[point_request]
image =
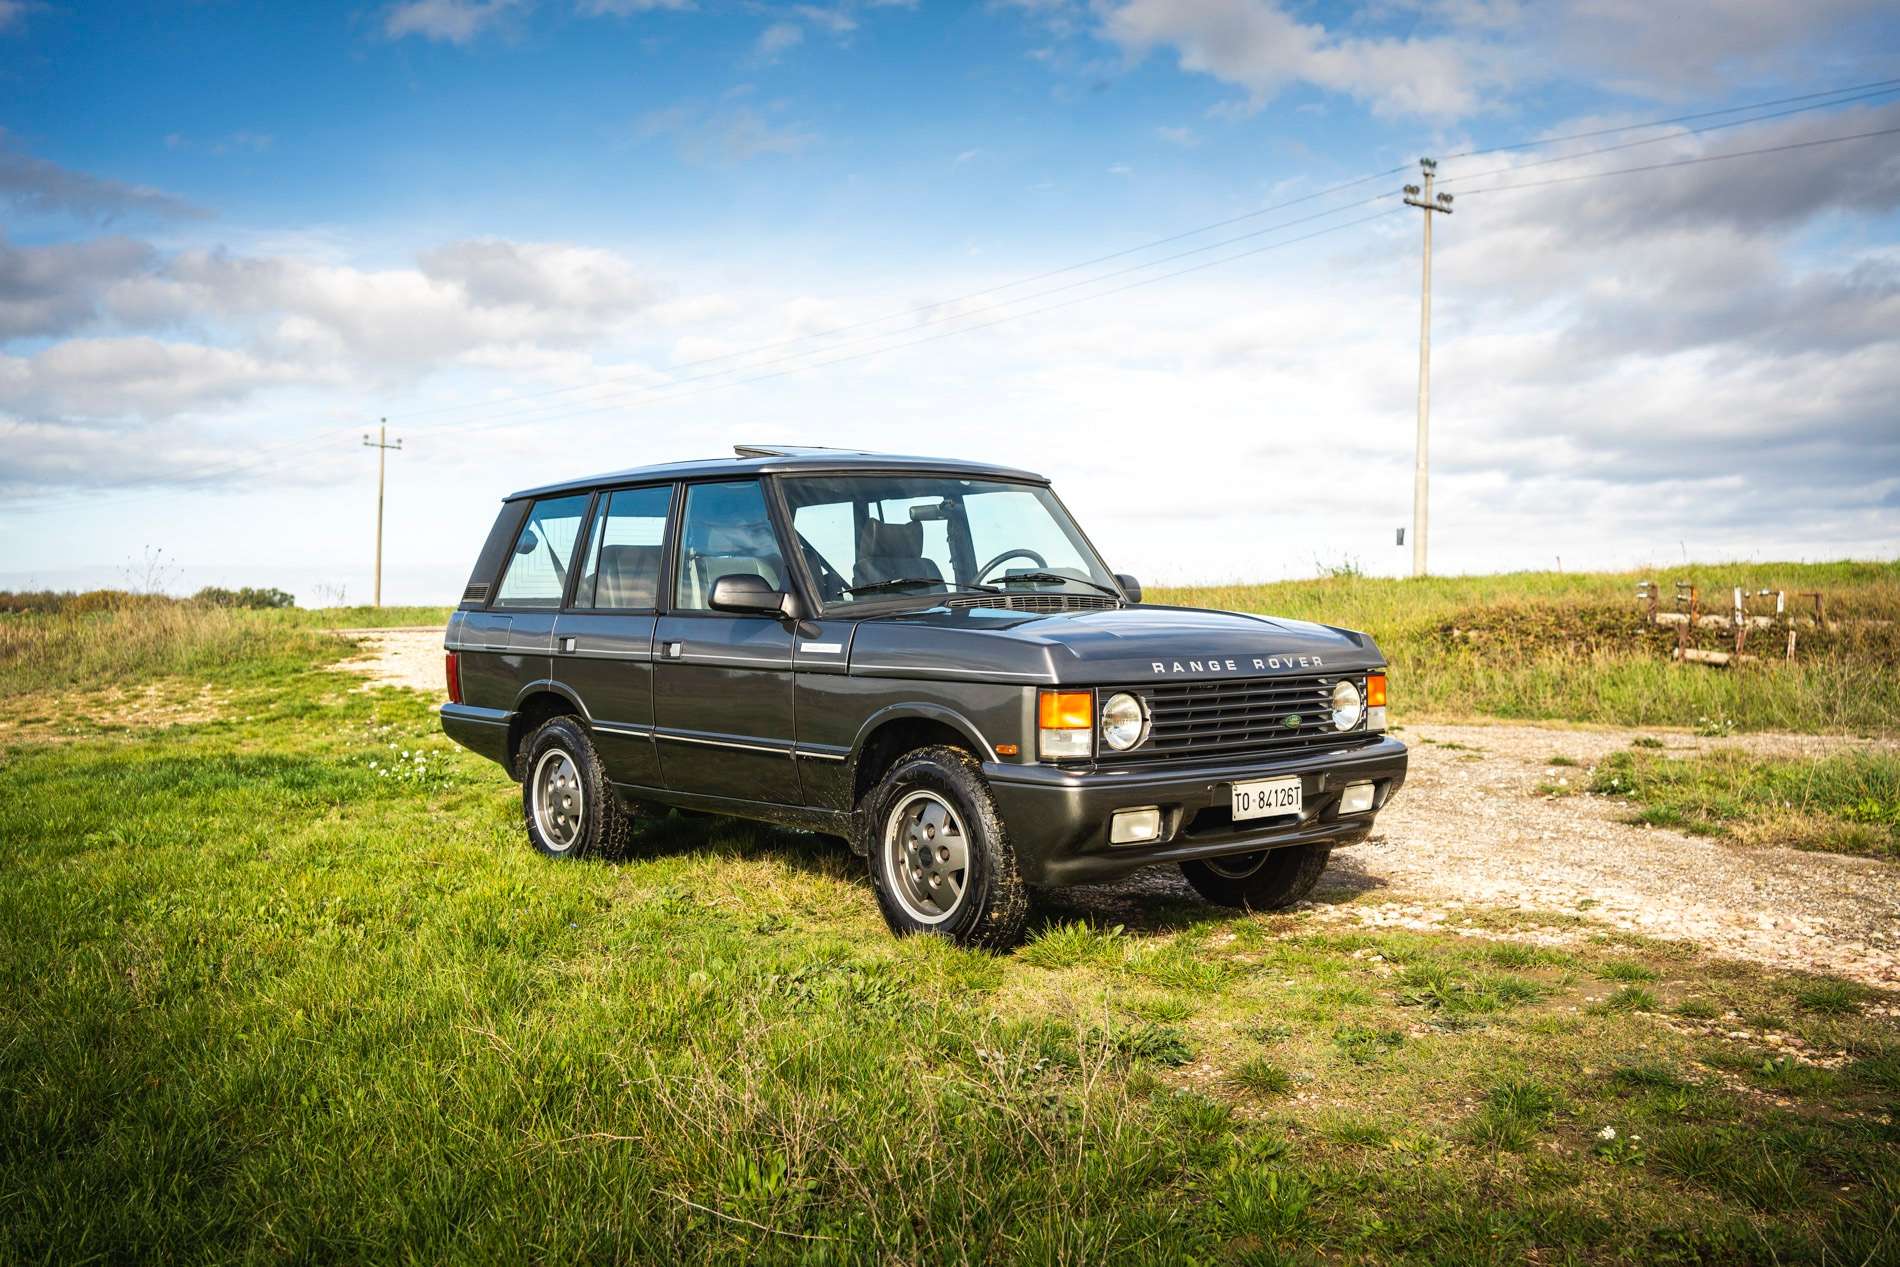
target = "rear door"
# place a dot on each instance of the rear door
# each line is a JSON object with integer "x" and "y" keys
{"x": 603, "y": 643}
{"x": 722, "y": 683}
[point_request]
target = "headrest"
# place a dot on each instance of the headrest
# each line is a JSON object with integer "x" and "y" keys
{"x": 879, "y": 540}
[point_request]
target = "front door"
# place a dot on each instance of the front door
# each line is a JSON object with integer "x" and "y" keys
{"x": 722, "y": 683}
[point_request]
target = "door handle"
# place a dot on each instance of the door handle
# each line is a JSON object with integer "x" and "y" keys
{"x": 567, "y": 646}
{"x": 673, "y": 650}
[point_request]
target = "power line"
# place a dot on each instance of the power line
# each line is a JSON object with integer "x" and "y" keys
{"x": 943, "y": 319}
{"x": 945, "y": 334}
{"x": 1657, "y": 123}
{"x": 941, "y": 303}
{"x": 1681, "y": 162}
{"x": 1671, "y": 136}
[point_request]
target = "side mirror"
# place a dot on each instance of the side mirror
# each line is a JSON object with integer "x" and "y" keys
{"x": 747, "y": 595}
{"x": 527, "y": 543}
{"x": 1130, "y": 586}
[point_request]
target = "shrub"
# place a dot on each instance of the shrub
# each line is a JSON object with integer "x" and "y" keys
{"x": 255, "y": 599}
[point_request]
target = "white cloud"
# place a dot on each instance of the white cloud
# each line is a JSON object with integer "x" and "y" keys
{"x": 778, "y": 39}
{"x": 1260, "y": 47}
{"x": 52, "y": 290}
{"x": 834, "y": 19}
{"x": 626, "y": 8}
{"x": 446, "y": 21}
{"x": 1183, "y": 137}
{"x": 729, "y": 134}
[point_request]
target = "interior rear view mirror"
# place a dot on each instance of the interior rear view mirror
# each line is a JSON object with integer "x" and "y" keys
{"x": 929, "y": 510}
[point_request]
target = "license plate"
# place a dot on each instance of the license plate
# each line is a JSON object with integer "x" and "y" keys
{"x": 1266, "y": 798}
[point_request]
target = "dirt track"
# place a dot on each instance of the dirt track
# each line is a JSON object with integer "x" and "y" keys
{"x": 1470, "y": 831}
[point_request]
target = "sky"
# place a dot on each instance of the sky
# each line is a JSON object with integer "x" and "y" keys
{"x": 1153, "y": 249}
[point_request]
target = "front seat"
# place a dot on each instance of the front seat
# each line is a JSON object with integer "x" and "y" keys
{"x": 887, "y": 552}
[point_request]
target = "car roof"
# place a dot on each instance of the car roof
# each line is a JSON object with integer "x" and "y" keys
{"x": 784, "y": 461}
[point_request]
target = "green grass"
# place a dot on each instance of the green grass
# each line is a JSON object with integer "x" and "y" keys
{"x": 1574, "y": 646}
{"x": 145, "y": 640}
{"x": 260, "y": 1000}
{"x": 1848, "y": 802}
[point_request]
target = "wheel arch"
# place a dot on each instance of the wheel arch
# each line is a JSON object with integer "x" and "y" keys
{"x": 537, "y": 702}
{"x": 891, "y": 732}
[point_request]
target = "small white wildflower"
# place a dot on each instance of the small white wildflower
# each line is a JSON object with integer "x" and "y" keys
{"x": 1607, "y": 1133}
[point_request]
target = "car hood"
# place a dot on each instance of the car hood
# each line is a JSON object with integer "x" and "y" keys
{"x": 1131, "y": 644}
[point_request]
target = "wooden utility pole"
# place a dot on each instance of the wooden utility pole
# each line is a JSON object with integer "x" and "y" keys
{"x": 382, "y": 446}
{"x": 1425, "y": 201}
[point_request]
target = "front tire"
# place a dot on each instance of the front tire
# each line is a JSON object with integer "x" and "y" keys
{"x": 570, "y": 808}
{"x": 939, "y": 856}
{"x": 1270, "y": 880}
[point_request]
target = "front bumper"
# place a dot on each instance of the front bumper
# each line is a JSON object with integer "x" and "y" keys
{"x": 1058, "y": 819}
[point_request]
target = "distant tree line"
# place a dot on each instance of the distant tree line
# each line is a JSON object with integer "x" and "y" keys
{"x": 77, "y": 602}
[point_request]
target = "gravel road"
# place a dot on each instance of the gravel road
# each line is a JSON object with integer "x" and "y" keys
{"x": 1470, "y": 834}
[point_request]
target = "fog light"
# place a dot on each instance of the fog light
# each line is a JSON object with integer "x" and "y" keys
{"x": 1375, "y": 718}
{"x": 1135, "y": 826}
{"x": 1356, "y": 799}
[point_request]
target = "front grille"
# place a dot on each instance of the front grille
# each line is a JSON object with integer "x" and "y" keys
{"x": 1037, "y": 602}
{"x": 1244, "y": 716}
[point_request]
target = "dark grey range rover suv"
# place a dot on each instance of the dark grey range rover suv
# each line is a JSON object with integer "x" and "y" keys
{"x": 925, "y": 657}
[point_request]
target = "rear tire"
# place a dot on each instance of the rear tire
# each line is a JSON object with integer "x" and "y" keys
{"x": 940, "y": 859}
{"x": 1267, "y": 881}
{"x": 570, "y": 808}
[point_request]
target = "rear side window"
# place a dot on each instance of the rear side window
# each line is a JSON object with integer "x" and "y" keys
{"x": 725, "y": 532}
{"x": 623, "y": 552}
{"x": 544, "y": 550}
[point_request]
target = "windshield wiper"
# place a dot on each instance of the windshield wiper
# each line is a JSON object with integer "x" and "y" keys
{"x": 1058, "y": 576}
{"x": 873, "y": 587}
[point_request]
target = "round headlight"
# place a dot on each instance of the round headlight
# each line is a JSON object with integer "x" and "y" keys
{"x": 1346, "y": 706}
{"x": 1123, "y": 721}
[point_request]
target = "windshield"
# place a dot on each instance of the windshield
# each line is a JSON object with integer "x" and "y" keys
{"x": 874, "y": 537}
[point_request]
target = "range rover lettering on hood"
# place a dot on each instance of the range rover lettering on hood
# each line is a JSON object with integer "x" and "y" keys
{"x": 1260, "y": 664}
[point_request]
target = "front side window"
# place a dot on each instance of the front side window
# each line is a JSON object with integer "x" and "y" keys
{"x": 537, "y": 570}
{"x": 623, "y": 552}
{"x": 868, "y": 537}
{"x": 725, "y": 531}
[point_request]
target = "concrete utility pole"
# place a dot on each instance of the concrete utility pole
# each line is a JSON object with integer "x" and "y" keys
{"x": 1425, "y": 201}
{"x": 382, "y": 446}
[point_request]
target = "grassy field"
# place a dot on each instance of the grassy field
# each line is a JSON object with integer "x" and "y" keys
{"x": 1845, "y": 803}
{"x": 138, "y": 641}
{"x": 281, "y": 980}
{"x": 1574, "y": 647}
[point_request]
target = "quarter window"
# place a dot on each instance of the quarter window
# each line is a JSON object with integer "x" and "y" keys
{"x": 537, "y": 570}
{"x": 724, "y": 532}
{"x": 623, "y": 555}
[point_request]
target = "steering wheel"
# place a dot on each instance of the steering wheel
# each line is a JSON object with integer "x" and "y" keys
{"x": 1006, "y": 555}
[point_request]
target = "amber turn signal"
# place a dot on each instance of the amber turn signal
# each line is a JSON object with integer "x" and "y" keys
{"x": 1375, "y": 690}
{"x": 1065, "y": 710}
